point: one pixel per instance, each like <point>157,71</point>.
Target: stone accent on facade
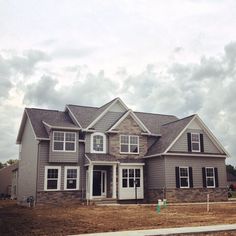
<point>188,195</point>
<point>59,197</point>
<point>127,126</point>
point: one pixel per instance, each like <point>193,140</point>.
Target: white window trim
<point>77,180</point>
<point>64,142</point>
<point>134,153</point>
<point>214,179</point>
<point>199,142</point>
<point>104,143</point>
<point>184,167</point>
<point>58,180</point>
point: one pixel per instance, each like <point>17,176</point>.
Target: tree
<point>11,161</point>
<point>231,169</point>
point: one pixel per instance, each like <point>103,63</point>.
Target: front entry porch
<point>101,181</point>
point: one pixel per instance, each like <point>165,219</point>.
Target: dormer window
<point>64,141</point>
<point>98,143</point>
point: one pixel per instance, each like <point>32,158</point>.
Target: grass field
<point>75,219</point>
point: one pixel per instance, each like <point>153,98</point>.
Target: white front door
<point>131,182</point>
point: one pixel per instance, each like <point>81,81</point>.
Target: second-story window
<point>129,144</point>
<point>98,143</point>
<point>64,141</point>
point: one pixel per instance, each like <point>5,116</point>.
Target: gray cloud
<point>93,90</point>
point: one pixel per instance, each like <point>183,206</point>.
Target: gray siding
<point>27,164</point>
<point>43,161</point>
<point>181,144</point>
<point>197,163</point>
<point>107,121</point>
<point>155,170</point>
<point>63,156</point>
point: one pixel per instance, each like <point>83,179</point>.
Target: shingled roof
<point>169,133</point>
<point>51,117</point>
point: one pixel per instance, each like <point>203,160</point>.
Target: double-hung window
<point>129,144</point>
<point>210,177</point>
<point>71,181</point>
<point>52,178</point>
<point>195,137</point>
<point>184,177</point>
<point>64,141</point>
<point>98,144</point>
<point>130,177</point>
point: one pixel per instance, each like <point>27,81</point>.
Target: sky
<point>173,57</point>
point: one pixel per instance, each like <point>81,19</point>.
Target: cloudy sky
<point>173,57</point>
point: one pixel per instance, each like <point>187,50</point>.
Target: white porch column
<point>114,181</point>
<point>90,181</point>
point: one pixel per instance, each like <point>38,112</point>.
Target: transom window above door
<point>129,144</point>
<point>98,143</point>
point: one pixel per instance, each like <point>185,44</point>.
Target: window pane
<point>124,139</point>
<point>70,146</point>
<point>52,184</point>
<point>210,182</point>
<point>195,146</point>
<point>58,146</point>
<point>131,183</point>
<point>184,182</point>
<point>72,173</point>
<point>134,148</point>
<point>124,173</point>
<point>183,172</point>
<point>71,184</point>
<point>137,182</point>
<point>58,136</point>
<point>98,143</point>
<point>133,140</point>
<point>124,183</point>
<point>70,136</point>
<point>124,148</point>
<point>52,173</point>
<point>131,172</point>
<point>209,172</point>
<point>137,173</point>
<point>195,137</point>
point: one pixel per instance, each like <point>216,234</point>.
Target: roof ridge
<point>109,102</point>
<point>44,109</point>
<point>81,106</point>
<point>154,113</point>
<point>178,120</point>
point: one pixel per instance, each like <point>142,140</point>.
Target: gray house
<point>112,152</point>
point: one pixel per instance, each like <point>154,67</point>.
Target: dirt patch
<point>73,219</point>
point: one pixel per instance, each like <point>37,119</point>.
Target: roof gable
<point>135,118</point>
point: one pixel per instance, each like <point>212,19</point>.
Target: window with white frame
<point>210,177</point>
<point>64,141</point>
<point>129,144</point>
<point>52,178</point>
<point>98,143</point>
<point>130,177</point>
<point>71,181</point>
<point>195,142</point>
<point>184,177</point>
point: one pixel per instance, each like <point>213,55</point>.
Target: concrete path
<point>167,231</point>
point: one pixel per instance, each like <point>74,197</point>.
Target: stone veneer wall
<point>59,197</point>
<point>187,195</point>
<point>127,126</point>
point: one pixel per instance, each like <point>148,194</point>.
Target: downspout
<point>37,172</point>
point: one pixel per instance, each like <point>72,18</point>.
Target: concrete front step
<point>105,201</point>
